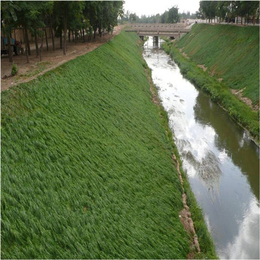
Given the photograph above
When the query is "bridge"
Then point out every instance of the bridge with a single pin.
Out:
(159, 29)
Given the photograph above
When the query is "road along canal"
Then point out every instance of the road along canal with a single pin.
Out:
(221, 161)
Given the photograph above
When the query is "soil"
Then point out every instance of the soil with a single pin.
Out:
(239, 94)
(50, 59)
(203, 67)
(184, 54)
(186, 218)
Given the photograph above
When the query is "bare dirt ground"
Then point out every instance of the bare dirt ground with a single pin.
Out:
(50, 59)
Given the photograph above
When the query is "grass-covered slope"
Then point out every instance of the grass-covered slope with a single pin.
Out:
(229, 52)
(87, 167)
(219, 91)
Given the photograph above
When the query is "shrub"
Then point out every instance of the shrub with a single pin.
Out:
(14, 70)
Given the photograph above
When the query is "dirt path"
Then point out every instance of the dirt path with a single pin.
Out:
(50, 60)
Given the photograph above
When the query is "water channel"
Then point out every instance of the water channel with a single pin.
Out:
(221, 161)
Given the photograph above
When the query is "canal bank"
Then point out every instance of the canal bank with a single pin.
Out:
(240, 68)
(87, 166)
(218, 156)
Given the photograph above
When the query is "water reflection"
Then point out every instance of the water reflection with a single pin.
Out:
(221, 162)
(246, 236)
(230, 137)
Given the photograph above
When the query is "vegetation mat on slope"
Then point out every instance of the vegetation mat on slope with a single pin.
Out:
(229, 52)
(87, 167)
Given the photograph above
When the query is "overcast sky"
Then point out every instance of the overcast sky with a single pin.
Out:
(151, 7)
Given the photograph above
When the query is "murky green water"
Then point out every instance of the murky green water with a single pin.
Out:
(221, 161)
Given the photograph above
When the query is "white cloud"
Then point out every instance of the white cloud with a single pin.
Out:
(148, 7)
(246, 244)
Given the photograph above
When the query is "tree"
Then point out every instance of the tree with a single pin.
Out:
(30, 17)
(92, 10)
(9, 19)
(209, 8)
(222, 9)
(248, 9)
(173, 16)
(133, 17)
(66, 12)
(164, 17)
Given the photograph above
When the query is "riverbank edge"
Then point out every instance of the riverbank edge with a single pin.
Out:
(219, 93)
(205, 249)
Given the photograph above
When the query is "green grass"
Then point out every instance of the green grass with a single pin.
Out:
(87, 166)
(231, 52)
(219, 91)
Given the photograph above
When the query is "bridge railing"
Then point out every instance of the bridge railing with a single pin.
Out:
(160, 29)
(155, 25)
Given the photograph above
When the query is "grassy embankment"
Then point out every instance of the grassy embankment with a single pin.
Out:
(228, 52)
(87, 168)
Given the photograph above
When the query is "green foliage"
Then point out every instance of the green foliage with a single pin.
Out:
(228, 10)
(230, 52)
(169, 16)
(14, 69)
(209, 8)
(218, 91)
(86, 165)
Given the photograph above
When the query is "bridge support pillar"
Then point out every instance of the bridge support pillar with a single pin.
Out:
(156, 40)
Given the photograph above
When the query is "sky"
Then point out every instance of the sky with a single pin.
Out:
(152, 7)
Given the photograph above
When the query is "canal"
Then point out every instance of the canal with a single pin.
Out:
(221, 161)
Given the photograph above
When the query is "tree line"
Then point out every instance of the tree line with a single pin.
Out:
(228, 11)
(62, 17)
(169, 16)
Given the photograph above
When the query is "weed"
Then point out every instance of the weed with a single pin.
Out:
(14, 70)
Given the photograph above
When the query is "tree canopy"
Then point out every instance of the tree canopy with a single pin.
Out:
(170, 16)
(60, 16)
(228, 10)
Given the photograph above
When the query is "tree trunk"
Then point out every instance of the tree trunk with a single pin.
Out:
(10, 48)
(36, 43)
(81, 34)
(46, 38)
(52, 37)
(253, 19)
(26, 44)
(61, 41)
(69, 34)
(65, 33)
(41, 48)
